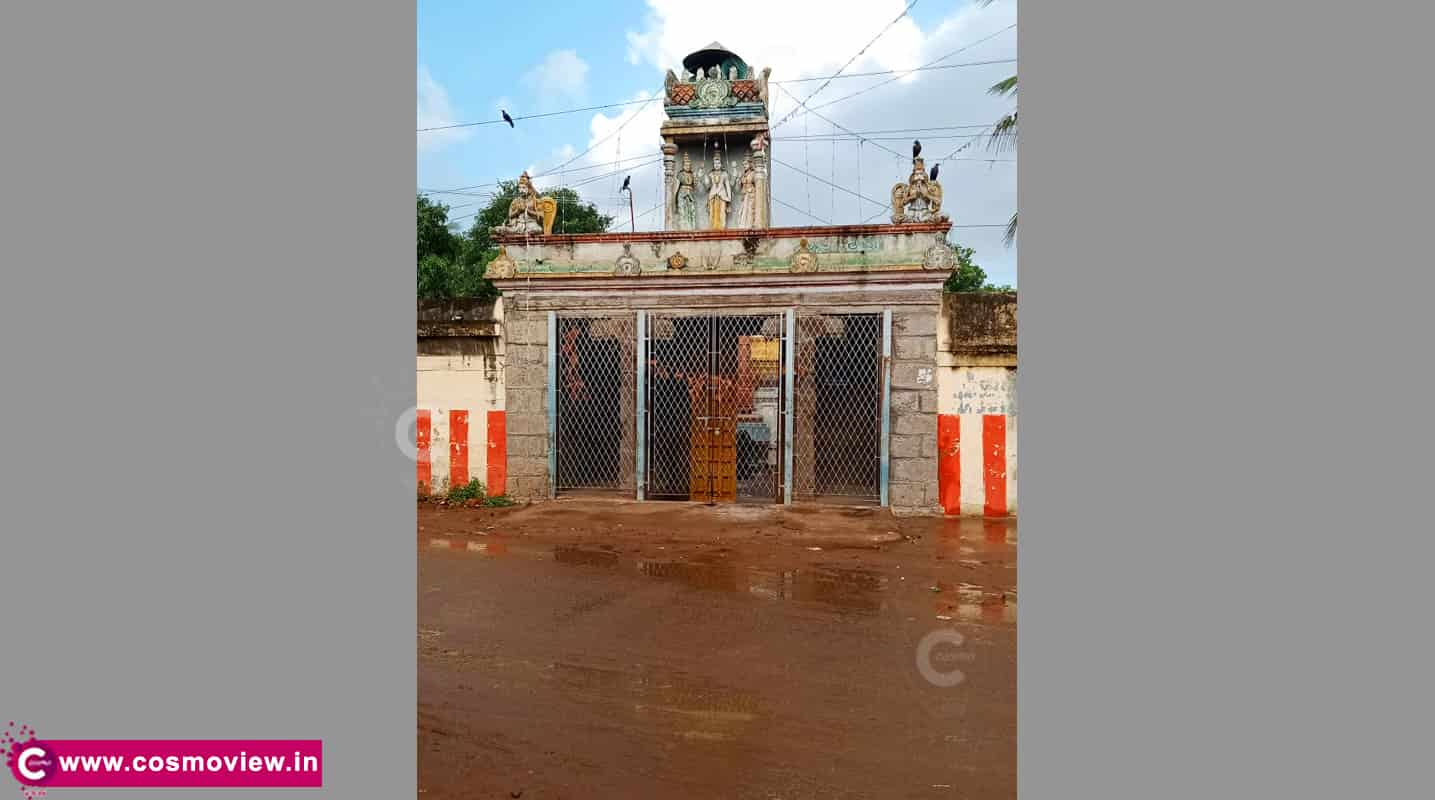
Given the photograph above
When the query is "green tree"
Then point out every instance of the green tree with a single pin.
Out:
(452, 265)
(435, 239)
(969, 277)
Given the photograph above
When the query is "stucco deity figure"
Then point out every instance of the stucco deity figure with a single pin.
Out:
(719, 185)
(747, 196)
(919, 199)
(687, 202)
(529, 213)
(732, 73)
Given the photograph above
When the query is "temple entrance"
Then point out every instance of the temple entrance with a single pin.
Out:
(594, 381)
(838, 399)
(714, 407)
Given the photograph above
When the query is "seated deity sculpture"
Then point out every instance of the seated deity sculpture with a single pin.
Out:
(529, 213)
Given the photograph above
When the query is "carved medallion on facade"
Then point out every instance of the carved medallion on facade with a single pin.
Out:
(804, 260)
(501, 266)
(713, 93)
(940, 255)
(677, 261)
(627, 263)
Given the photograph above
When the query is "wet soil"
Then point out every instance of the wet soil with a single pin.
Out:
(593, 649)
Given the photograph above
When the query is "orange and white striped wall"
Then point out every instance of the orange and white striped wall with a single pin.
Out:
(976, 440)
(461, 423)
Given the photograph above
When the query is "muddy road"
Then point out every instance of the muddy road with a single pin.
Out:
(596, 649)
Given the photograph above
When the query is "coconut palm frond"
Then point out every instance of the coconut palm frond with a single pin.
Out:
(1003, 135)
(1003, 88)
(1010, 231)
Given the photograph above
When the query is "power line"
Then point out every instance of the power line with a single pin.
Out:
(840, 127)
(591, 179)
(928, 66)
(800, 211)
(609, 136)
(463, 189)
(530, 116)
(858, 55)
(900, 73)
(823, 180)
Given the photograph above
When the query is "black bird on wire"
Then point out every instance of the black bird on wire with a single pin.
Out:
(506, 118)
(934, 171)
(625, 183)
(916, 148)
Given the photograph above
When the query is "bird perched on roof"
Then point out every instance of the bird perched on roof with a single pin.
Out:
(506, 118)
(934, 171)
(916, 148)
(625, 183)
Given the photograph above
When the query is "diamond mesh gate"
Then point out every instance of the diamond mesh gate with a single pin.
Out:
(595, 379)
(837, 433)
(714, 416)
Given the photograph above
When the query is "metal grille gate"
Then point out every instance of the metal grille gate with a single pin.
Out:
(838, 389)
(593, 382)
(714, 407)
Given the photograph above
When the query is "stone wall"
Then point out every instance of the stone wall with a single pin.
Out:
(952, 436)
(526, 343)
(916, 312)
(913, 442)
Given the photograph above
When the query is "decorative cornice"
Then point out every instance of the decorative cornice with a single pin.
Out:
(911, 277)
(801, 232)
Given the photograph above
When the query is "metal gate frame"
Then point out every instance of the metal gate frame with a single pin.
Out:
(604, 481)
(724, 385)
(787, 410)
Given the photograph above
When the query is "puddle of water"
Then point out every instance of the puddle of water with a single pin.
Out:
(849, 589)
(569, 554)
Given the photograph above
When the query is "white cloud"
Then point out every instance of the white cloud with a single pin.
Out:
(830, 33)
(796, 38)
(435, 111)
(560, 76)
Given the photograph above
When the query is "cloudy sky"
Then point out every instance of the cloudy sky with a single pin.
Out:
(477, 58)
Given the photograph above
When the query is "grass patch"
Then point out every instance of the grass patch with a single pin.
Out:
(475, 490)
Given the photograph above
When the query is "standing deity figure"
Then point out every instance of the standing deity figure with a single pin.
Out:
(919, 199)
(719, 185)
(747, 196)
(731, 72)
(687, 202)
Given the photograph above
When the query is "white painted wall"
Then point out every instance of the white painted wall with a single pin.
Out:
(473, 383)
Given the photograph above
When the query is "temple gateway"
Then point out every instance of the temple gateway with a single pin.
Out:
(722, 359)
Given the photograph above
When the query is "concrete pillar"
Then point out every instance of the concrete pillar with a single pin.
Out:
(759, 161)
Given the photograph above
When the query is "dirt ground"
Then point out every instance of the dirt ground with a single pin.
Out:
(592, 648)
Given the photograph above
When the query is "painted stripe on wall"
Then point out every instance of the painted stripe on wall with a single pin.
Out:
(1011, 464)
(972, 497)
(949, 462)
(457, 447)
(422, 432)
(497, 453)
(983, 483)
(994, 464)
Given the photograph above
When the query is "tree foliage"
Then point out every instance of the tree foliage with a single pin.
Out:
(968, 277)
(452, 264)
